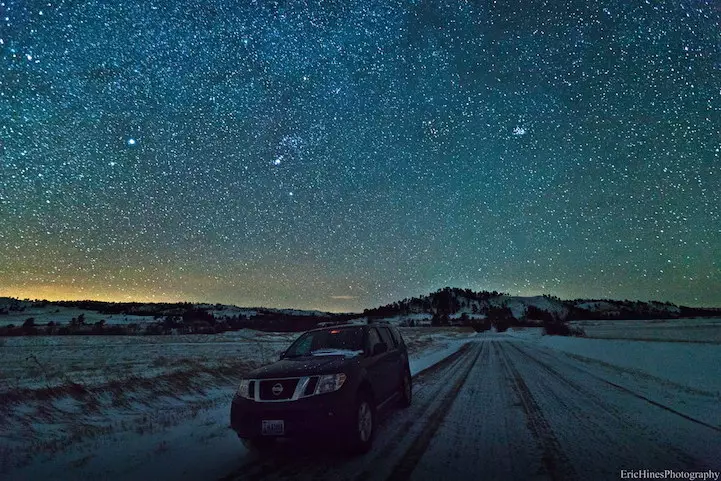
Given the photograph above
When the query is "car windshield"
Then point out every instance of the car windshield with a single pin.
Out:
(331, 341)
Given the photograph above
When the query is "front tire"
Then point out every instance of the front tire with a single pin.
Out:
(406, 394)
(364, 425)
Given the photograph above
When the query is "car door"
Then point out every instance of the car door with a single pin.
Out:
(402, 350)
(392, 361)
(377, 367)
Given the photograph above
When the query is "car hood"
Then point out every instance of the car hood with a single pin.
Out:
(304, 366)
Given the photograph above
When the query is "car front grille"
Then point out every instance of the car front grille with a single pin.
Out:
(277, 389)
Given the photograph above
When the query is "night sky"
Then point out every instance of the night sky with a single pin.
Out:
(345, 154)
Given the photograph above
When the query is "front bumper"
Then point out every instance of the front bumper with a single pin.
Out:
(322, 415)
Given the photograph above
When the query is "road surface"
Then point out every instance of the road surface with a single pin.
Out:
(506, 409)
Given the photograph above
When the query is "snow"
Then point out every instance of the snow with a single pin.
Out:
(418, 318)
(594, 397)
(702, 330)
(518, 305)
(228, 310)
(32, 361)
(336, 352)
(587, 418)
(19, 311)
(430, 357)
(692, 365)
(175, 397)
(296, 312)
(612, 308)
(64, 315)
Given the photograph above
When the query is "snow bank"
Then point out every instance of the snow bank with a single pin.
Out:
(692, 365)
(336, 352)
(706, 330)
(429, 359)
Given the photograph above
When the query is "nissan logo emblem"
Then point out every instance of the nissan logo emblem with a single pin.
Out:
(277, 389)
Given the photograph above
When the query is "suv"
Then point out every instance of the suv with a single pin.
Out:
(330, 381)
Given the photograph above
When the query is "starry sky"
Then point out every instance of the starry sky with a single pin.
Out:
(344, 154)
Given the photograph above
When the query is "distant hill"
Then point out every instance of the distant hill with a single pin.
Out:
(98, 317)
(453, 305)
(447, 306)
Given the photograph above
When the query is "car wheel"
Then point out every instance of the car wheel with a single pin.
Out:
(258, 444)
(363, 429)
(406, 394)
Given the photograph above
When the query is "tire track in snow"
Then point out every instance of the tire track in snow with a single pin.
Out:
(404, 468)
(620, 420)
(485, 434)
(406, 427)
(627, 391)
(554, 459)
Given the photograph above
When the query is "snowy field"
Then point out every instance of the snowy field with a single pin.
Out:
(61, 314)
(49, 361)
(36, 362)
(62, 395)
(687, 365)
(707, 330)
(690, 365)
(15, 313)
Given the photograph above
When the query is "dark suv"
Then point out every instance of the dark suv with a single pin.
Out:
(330, 381)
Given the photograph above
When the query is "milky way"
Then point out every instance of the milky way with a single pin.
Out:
(342, 154)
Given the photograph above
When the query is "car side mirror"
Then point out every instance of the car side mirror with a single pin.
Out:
(380, 348)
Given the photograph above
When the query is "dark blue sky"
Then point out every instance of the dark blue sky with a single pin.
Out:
(341, 154)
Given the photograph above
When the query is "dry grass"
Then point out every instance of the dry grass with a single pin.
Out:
(193, 378)
(36, 425)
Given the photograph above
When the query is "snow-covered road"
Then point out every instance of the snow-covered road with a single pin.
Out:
(508, 409)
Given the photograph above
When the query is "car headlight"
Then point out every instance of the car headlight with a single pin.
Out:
(244, 389)
(330, 383)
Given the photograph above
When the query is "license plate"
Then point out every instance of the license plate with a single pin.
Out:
(274, 427)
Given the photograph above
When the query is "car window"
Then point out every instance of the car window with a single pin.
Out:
(396, 336)
(327, 342)
(386, 337)
(373, 339)
(301, 345)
